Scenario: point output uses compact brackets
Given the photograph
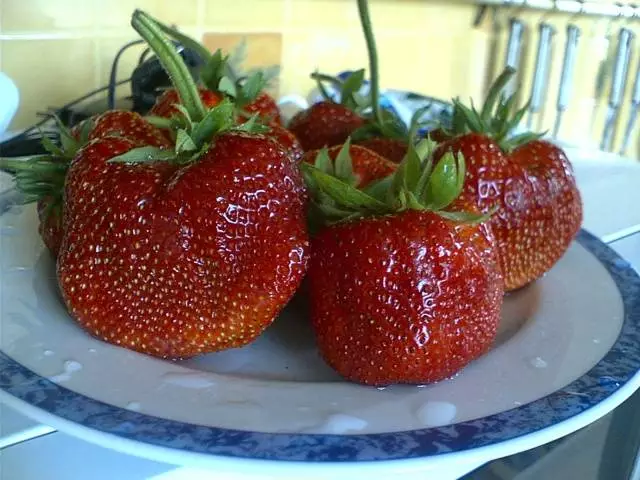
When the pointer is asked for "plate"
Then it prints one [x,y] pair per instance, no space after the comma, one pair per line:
[566,354]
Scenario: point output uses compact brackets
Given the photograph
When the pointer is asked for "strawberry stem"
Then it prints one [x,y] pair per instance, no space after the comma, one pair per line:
[172,63]
[374,80]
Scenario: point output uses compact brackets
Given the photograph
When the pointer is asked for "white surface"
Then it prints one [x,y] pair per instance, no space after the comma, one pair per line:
[10,99]
[611,185]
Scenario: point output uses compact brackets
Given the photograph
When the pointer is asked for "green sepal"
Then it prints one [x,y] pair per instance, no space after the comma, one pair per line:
[445,183]
[184,143]
[50,146]
[324,163]
[253,125]
[343,194]
[144,155]
[467,218]
[228,86]
[219,118]
[343,165]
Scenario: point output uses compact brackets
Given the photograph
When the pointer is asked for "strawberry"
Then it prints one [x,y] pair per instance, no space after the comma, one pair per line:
[162,248]
[327,123]
[166,102]
[530,182]
[324,124]
[400,290]
[367,166]
[41,178]
[220,80]
[390,148]
[287,140]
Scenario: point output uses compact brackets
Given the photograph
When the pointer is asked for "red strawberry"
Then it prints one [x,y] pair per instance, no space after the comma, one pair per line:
[367,165]
[167,257]
[41,178]
[165,103]
[390,148]
[529,181]
[287,139]
[400,293]
[220,80]
[324,124]
[266,107]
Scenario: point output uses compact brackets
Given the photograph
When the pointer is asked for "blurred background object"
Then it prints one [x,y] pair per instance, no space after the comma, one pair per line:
[586,93]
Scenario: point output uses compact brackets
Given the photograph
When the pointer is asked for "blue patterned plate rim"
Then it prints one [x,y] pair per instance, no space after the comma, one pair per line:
[609,375]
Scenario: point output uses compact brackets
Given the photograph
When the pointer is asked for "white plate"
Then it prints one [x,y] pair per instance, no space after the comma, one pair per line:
[567,353]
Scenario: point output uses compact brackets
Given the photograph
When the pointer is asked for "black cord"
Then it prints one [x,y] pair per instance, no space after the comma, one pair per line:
[111,94]
[144,55]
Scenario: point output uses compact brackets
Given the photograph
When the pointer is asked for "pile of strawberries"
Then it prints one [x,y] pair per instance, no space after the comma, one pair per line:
[187,231]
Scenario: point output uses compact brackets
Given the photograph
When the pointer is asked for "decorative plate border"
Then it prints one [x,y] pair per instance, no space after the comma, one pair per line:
[618,366]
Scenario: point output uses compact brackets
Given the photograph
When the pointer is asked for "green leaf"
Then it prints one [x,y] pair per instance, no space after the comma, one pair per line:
[379,188]
[345,195]
[184,113]
[365,132]
[218,118]
[226,85]
[323,162]
[471,119]
[51,147]
[85,130]
[351,85]
[213,70]
[412,202]
[253,125]
[495,90]
[343,166]
[144,155]
[184,143]
[251,88]
[464,217]
[522,139]
[159,122]
[462,171]
[442,187]
[411,169]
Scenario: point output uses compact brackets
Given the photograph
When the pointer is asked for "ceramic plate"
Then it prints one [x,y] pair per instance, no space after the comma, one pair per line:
[567,353]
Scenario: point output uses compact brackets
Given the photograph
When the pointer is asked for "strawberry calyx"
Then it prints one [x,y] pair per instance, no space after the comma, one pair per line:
[195,126]
[417,184]
[498,118]
[217,74]
[42,176]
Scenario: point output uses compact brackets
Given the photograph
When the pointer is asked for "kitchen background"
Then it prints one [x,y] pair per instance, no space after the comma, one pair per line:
[56,50]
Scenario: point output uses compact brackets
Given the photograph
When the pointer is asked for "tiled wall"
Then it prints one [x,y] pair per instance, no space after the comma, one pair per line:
[56,50]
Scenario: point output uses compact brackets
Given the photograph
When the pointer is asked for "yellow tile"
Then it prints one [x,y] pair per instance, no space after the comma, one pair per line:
[318,14]
[254,15]
[304,53]
[417,15]
[117,14]
[64,73]
[45,15]
[263,50]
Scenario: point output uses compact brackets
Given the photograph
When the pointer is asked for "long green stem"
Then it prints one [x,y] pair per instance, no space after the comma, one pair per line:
[172,63]
[374,80]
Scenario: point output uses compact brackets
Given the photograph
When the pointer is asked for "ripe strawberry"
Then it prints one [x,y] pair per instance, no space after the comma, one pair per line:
[287,139]
[324,124]
[163,251]
[220,80]
[367,166]
[166,102]
[400,291]
[390,148]
[41,178]
[530,181]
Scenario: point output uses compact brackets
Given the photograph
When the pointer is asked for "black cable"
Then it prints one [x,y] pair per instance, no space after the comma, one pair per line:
[111,94]
[143,56]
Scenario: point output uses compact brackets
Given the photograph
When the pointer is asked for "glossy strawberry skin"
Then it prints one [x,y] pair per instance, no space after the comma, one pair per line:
[165,103]
[324,124]
[288,140]
[539,205]
[50,224]
[117,123]
[266,107]
[408,298]
[392,149]
[177,261]
[367,165]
